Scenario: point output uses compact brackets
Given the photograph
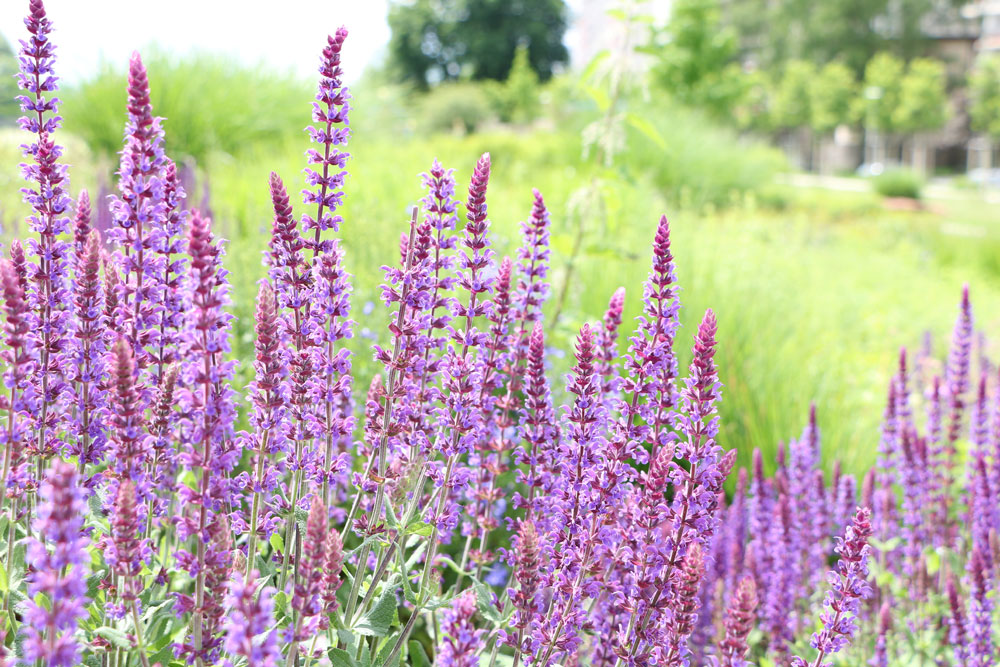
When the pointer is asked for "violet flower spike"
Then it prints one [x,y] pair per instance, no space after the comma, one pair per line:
[19,364]
[330,111]
[460,641]
[59,573]
[46,193]
[251,615]
[849,587]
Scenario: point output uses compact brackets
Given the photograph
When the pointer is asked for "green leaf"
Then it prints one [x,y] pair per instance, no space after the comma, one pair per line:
[647,128]
[3,578]
[379,618]
[484,602]
[383,655]
[419,527]
[277,542]
[115,636]
[340,658]
[418,656]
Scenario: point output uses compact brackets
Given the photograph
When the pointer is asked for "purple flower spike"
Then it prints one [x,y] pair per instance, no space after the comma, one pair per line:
[140,214]
[609,346]
[251,615]
[50,203]
[461,641]
[127,552]
[881,657]
[59,573]
[957,377]
[88,355]
[849,587]
[330,113]
[740,617]
[684,605]
[81,225]
[286,265]
[980,612]
[20,363]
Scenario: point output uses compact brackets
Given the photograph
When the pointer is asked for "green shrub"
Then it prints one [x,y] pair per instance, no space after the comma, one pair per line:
[211,103]
[455,107]
[898,183]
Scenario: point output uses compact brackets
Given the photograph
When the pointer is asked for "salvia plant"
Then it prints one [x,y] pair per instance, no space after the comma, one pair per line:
[450,511]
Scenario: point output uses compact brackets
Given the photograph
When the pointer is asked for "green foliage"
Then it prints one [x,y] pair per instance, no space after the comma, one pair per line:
[923,100]
[9,108]
[882,91]
[898,183]
[791,106]
[984,91]
[831,97]
[211,103]
[852,31]
[517,99]
[696,57]
[433,41]
[455,107]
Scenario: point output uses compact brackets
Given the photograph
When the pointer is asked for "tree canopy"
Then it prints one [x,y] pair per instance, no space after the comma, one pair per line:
[434,40]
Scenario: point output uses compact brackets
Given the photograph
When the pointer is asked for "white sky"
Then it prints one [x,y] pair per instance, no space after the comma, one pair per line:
[285,34]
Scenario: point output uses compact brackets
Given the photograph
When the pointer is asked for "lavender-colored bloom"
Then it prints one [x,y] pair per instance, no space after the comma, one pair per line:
[538,431]
[608,343]
[914,482]
[982,509]
[849,587]
[524,557]
[958,635]
[286,265]
[58,573]
[460,642]
[126,552]
[330,326]
[81,225]
[170,244]
[980,612]
[330,113]
[684,606]
[206,402]
[251,615]
[307,597]
[268,435]
[19,366]
[740,616]
[216,570]
[881,657]
[533,265]
[89,348]
[140,214]
[51,324]
[956,380]
[129,442]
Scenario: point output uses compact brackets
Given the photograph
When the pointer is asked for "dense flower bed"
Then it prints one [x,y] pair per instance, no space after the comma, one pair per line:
[457,512]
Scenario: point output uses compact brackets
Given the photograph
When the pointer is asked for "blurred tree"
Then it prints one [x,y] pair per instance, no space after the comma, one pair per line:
[791,106]
[878,102]
[923,98]
[516,100]
[883,87]
[831,104]
[984,91]
[831,98]
[697,57]
[772,32]
[9,108]
[984,94]
[435,40]
[791,109]
[923,106]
